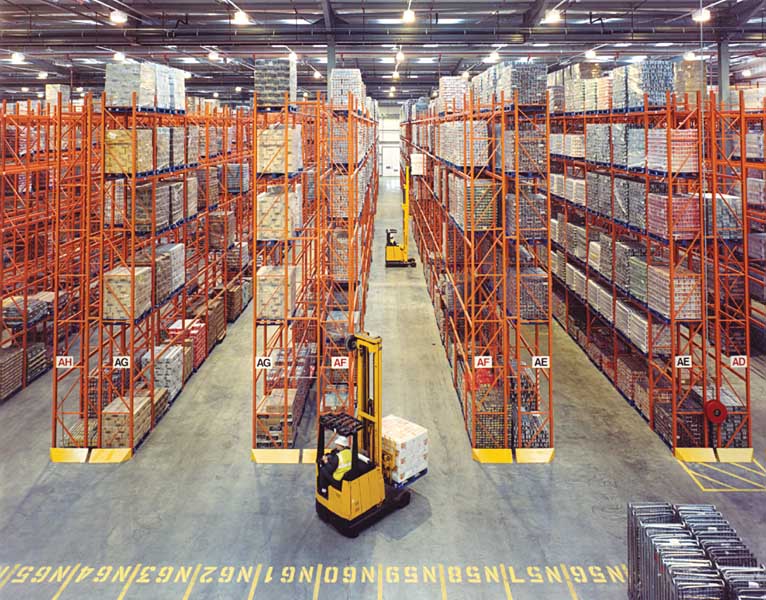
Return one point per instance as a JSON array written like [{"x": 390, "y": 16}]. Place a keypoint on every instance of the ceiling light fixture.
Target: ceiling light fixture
[
  {"x": 241, "y": 18},
  {"x": 689, "y": 56},
  {"x": 118, "y": 17},
  {"x": 392, "y": 88},
  {"x": 238, "y": 89},
  {"x": 408, "y": 16},
  {"x": 400, "y": 57},
  {"x": 78, "y": 89},
  {"x": 42, "y": 75},
  {"x": 591, "y": 54},
  {"x": 390, "y": 94},
  {"x": 17, "y": 58},
  {"x": 701, "y": 15},
  {"x": 187, "y": 75},
  {"x": 395, "y": 75},
  {"x": 82, "y": 94},
  {"x": 119, "y": 56},
  {"x": 293, "y": 56},
  {"x": 25, "y": 89},
  {"x": 317, "y": 75},
  {"x": 40, "y": 94},
  {"x": 215, "y": 94},
  {"x": 466, "y": 75},
  {"x": 213, "y": 55},
  {"x": 434, "y": 94},
  {"x": 747, "y": 73},
  {"x": 552, "y": 16},
  {"x": 494, "y": 56}
]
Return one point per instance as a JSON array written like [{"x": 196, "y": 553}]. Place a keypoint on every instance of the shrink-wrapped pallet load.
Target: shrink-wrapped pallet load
[
  {"x": 116, "y": 303},
  {"x": 453, "y": 91},
  {"x": 207, "y": 185},
  {"x": 405, "y": 449},
  {"x": 11, "y": 371},
  {"x": 119, "y": 151},
  {"x": 222, "y": 229},
  {"x": 123, "y": 79},
  {"x": 276, "y": 291},
  {"x": 345, "y": 82},
  {"x": 168, "y": 367},
  {"x": 278, "y": 151},
  {"x": 275, "y": 81}
]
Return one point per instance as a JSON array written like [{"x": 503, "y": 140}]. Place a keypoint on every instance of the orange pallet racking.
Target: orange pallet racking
[
  {"x": 648, "y": 265},
  {"x": 150, "y": 260},
  {"x": 481, "y": 223},
  {"x": 26, "y": 281},
  {"x": 286, "y": 285}
]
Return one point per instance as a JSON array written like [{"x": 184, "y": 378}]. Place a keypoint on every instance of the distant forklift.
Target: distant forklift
[
  {"x": 396, "y": 255},
  {"x": 361, "y": 496}
]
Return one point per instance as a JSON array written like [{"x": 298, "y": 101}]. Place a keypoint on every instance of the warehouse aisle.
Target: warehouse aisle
[{"x": 191, "y": 517}]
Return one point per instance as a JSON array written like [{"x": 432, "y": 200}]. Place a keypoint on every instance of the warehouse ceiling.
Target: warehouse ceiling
[{"x": 72, "y": 40}]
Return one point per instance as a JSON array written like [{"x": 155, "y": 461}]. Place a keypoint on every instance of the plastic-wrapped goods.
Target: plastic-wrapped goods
[
  {"x": 222, "y": 229},
  {"x": 623, "y": 251},
  {"x": 342, "y": 83},
  {"x": 116, "y": 302},
  {"x": 619, "y": 135},
  {"x": 756, "y": 246},
  {"x": 192, "y": 144},
  {"x": 603, "y": 93},
  {"x": 683, "y": 151},
  {"x": 728, "y": 216},
  {"x": 690, "y": 78},
  {"x": 575, "y": 190},
  {"x": 207, "y": 181},
  {"x": 755, "y": 141},
  {"x": 557, "y": 143},
  {"x": 115, "y": 421},
  {"x": 621, "y": 200},
  {"x": 475, "y": 200},
  {"x": 210, "y": 140},
  {"x": 11, "y": 371},
  {"x": 640, "y": 333},
  {"x": 556, "y": 98},
  {"x": 687, "y": 296},
  {"x": 637, "y": 204},
  {"x": 151, "y": 204},
  {"x": 574, "y": 95},
  {"x": 163, "y": 148},
  {"x": 177, "y": 90},
  {"x": 237, "y": 178},
  {"x": 531, "y": 214},
  {"x": 162, "y": 86},
  {"x": 528, "y": 79},
  {"x": 405, "y": 449},
  {"x": 275, "y": 80},
  {"x": 753, "y": 98},
  {"x": 597, "y": 148},
  {"x": 338, "y": 141},
  {"x": 168, "y": 367},
  {"x": 632, "y": 82},
  {"x": 590, "y": 95},
  {"x": 636, "y": 150},
  {"x": 594, "y": 255},
  {"x": 531, "y": 143},
  {"x": 125, "y": 78},
  {"x": 453, "y": 146},
  {"x": 574, "y": 145},
  {"x": 686, "y": 216},
  {"x": 277, "y": 220},
  {"x": 452, "y": 93},
  {"x": 277, "y": 155},
  {"x": 273, "y": 282},
  {"x": 192, "y": 194},
  {"x": 177, "y": 264},
  {"x": 176, "y": 191},
  {"x": 637, "y": 273},
  {"x": 177, "y": 147},
  {"x": 52, "y": 91},
  {"x": 532, "y": 285},
  {"x": 119, "y": 151}
]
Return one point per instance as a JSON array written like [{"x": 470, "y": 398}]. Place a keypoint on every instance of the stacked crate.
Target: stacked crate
[
  {"x": 176, "y": 254},
  {"x": 195, "y": 331},
  {"x": 119, "y": 152},
  {"x": 222, "y": 229},
  {"x": 207, "y": 185},
  {"x": 345, "y": 82},
  {"x": 116, "y": 301},
  {"x": 115, "y": 420},
  {"x": 532, "y": 287},
  {"x": 168, "y": 368},
  {"x": 162, "y": 148},
  {"x": 274, "y": 415},
  {"x": 192, "y": 196},
  {"x": 574, "y": 145},
  {"x": 275, "y": 80},
  {"x": 405, "y": 449},
  {"x": 684, "y": 148},
  {"x": 531, "y": 144},
  {"x": 176, "y": 201},
  {"x": 452, "y": 93},
  {"x": 11, "y": 371},
  {"x": 574, "y": 95},
  {"x": 276, "y": 290},
  {"x": 597, "y": 147},
  {"x": 454, "y": 147},
  {"x": 123, "y": 79},
  {"x": 37, "y": 361},
  {"x": 192, "y": 144},
  {"x": 237, "y": 178},
  {"x": 687, "y": 297},
  {"x": 473, "y": 202},
  {"x": 279, "y": 152},
  {"x": 685, "y": 215},
  {"x": 631, "y": 82},
  {"x": 532, "y": 214}
]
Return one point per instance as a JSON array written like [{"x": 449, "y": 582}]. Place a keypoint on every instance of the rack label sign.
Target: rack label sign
[
  {"x": 738, "y": 362},
  {"x": 683, "y": 361},
  {"x": 121, "y": 362},
  {"x": 64, "y": 362},
  {"x": 263, "y": 362},
  {"x": 541, "y": 362},
  {"x": 339, "y": 362},
  {"x": 482, "y": 362}
]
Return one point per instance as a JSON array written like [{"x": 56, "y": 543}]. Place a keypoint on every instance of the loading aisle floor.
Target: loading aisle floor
[{"x": 190, "y": 517}]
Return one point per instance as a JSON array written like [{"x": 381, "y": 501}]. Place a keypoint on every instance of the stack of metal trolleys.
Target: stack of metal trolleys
[{"x": 689, "y": 552}]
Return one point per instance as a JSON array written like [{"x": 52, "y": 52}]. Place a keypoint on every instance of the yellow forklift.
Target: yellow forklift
[
  {"x": 396, "y": 255},
  {"x": 362, "y": 497}
]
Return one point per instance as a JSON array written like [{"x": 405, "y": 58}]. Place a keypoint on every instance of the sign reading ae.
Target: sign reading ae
[
  {"x": 683, "y": 361},
  {"x": 541, "y": 362}
]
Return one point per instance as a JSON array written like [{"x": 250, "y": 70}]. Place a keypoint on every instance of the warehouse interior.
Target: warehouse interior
[{"x": 536, "y": 214}]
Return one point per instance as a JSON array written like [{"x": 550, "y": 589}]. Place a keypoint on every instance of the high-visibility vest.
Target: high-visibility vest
[{"x": 344, "y": 464}]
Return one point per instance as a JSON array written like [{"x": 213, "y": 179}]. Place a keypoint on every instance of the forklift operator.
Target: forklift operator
[{"x": 335, "y": 465}]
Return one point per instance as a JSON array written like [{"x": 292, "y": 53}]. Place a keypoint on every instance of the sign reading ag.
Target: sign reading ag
[
  {"x": 121, "y": 362},
  {"x": 262, "y": 362}
]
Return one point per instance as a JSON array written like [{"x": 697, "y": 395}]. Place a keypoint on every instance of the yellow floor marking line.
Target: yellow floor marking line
[
  {"x": 570, "y": 585},
  {"x": 129, "y": 582},
  {"x": 318, "y": 581},
  {"x": 67, "y": 581},
  {"x": 720, "y": 470},
  {"x": 506, "y": 585},
  {"x": 760, "y": 471},
  {"x": 254, "y": 585},
  {"x": 697, "y": 476},
  {"x": 380, "y": 581},
  {"x": 192, "y": 583},
  {"x": 442, "y": 582},
  {"x": 8, "y": 577}
]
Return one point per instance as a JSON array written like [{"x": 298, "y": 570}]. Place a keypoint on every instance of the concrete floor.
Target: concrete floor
[{"x": 191, "y": 517}]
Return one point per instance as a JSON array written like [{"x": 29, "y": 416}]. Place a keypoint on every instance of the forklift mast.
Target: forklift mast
[{"x": 369, "y": 391}]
